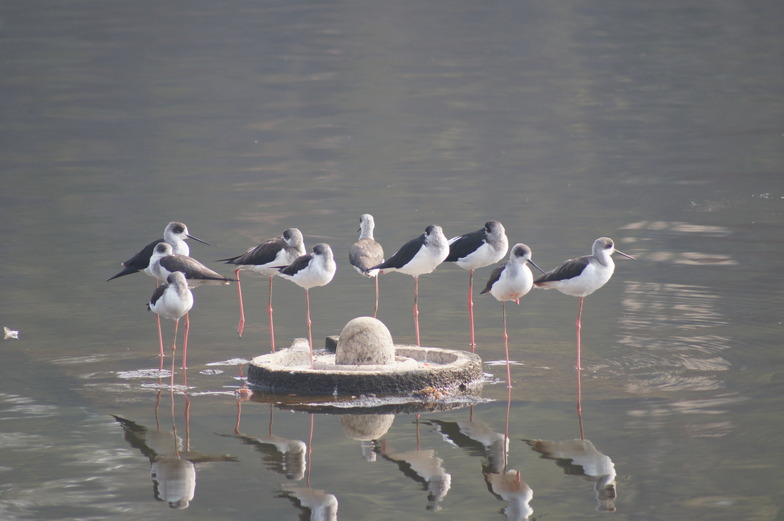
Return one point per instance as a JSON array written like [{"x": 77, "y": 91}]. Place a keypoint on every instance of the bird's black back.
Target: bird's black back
[
  {"x": 139, "y": 261},
  {"x": 466, "y": 244},
  {"x": 494, "y": 276},
  {"x": 300, "y": 263},
  {"x": 258, "y": 255},
  {"x": 568, "y": 270},
  {"x": 404, "y": 255}
]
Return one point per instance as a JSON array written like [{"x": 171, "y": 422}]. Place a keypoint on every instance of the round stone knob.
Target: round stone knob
[{"x": 365, "y": 341}]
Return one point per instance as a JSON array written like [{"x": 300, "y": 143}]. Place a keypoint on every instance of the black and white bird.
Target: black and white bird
[
  {"x": 175, "y": 234},
  {"x": 164, "y": 262},
  {"x": 582, "y": 276},
  {"x": 266, "y": 259},
  {"x": 511, "y": 281},
  {"x": 367, "y": 252},
  {"x": 418, "y": 257},
  {"x": 477, "y": 249},
  {"x": 308, "y": 271},
  {"x": 173, "y": 300}
]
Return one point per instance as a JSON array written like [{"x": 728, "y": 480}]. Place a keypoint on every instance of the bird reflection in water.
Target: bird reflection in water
[
  {"x": 172, "y": 462},
  {"x": 479, "y": 439},
  {"x": 281, "y": 455},
  {"x": 422, "y": 466},
  {"x": 322, "y": 505},
  {"x": 508, "y": 487},
  {"x": 292, "y": 458},
  {"x": 580, "y": 457}
]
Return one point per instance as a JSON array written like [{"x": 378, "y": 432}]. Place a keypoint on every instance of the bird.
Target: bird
[
  {"x": 511, "y": 281},
  {"x": 418, "y": 257},
  {"x": 308, "y": 271},
  {"x": 477, "y": 249},
  {"x": 164, "y": 262},
  {"x": 175, "y": 234},
  {"x": 266, "y": 259},
  {"x": 582, "y": 276},
  {"x": 173, "y": 300},
  {"x": 367, "y": 252}
]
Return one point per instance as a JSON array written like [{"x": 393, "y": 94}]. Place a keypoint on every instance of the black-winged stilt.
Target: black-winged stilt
[
  {"x": 582, "y": 276},
  {"x": 266, "y": 259},
  {"x": 164, "y": 262},
  {"x": 511, "y": 281},
  {"x": 367, "y": 252},
  {"x": 418, "y": 257},
  {"x": 175, "y": 234},
  {"x": 173, "y": 300},
  {"x": 309, "y": 271},
  {"x": 477, "y": 249}
]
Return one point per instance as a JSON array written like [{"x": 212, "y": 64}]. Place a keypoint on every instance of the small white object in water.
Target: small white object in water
[{"x": 10, "y": 333}]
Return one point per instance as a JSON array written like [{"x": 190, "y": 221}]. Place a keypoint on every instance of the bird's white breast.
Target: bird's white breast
[{"x": 593, "y": 277}]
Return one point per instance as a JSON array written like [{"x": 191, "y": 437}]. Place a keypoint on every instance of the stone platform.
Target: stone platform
[{"x": 431, "y": 371}]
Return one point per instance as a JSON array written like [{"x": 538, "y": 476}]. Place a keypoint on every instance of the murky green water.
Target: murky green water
[{"x": 657, "y": 124}]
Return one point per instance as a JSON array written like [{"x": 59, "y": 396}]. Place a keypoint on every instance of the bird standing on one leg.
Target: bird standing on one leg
[
  {"x": 417, "y": 257},
  {"x": 266, "y": 259},
  {"x": 173, "y": 300},
  {"x": 308, "y": 271},
  {"x": 582, "y": 276},
  {"x": 477, "y": 249},
  {"x": 367, "y": 252},
  {"x": 511, "y": 281}
]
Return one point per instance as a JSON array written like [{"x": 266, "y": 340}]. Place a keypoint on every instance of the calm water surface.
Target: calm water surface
[{"x": 658, "y": 124}]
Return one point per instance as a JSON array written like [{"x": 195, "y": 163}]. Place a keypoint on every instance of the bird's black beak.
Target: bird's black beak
[
  {"x": 537, "y": 267},
  {"x": 619, "y": 252},
  {"x": 201, "y": 241}
]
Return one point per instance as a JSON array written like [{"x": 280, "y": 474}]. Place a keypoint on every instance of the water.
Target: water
[{"x": 658, "y": 124}]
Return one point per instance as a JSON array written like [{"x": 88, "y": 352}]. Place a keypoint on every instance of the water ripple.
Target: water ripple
[{"x": 671, "y": 335}]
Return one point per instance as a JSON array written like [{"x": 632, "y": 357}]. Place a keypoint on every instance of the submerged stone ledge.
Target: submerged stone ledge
[{"x": 415, "y": 370}]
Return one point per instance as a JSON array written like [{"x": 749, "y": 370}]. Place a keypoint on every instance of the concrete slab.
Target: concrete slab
[{"x": 428, "y": 370}]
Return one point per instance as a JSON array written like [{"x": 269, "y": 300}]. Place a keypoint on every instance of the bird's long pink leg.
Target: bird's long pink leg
[
  {"x": 310, "y": 333},
  {"x": 241, "y": 325},
  {"x": 471, "y": 307},
  {"x": 173, "y": 357},
  {"x": 158, "y": 318},
  {"x": 160, "y": 335},
  {"x": 185, "y": 341},
  {"x": 416, "y": 309},
  {"x": 506, "y": 349},
  {"x": 375, "y": 307},
  {"x": 269, "y": 312},
  {"x": 579, "y": 327},
  {"x": 579, "y": 369},
  {"x": 174, "y": 344}
]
